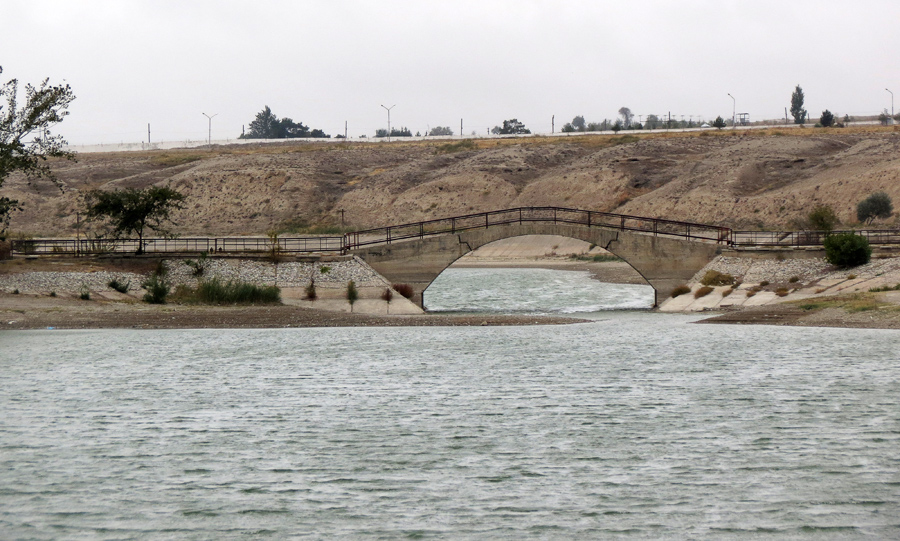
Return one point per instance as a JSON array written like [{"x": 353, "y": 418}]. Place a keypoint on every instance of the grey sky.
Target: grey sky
[{"x": 323, "y": 62}]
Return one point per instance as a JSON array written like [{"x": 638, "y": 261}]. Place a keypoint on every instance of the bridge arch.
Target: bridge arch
[{"x": 664, "y": 262}]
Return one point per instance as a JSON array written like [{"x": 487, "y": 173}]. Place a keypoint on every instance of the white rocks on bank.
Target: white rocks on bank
[{"x": 328, "y": 275}]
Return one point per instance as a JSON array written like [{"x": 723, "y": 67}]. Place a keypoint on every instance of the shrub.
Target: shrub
[
  {"x": 716, "y": 278},
  {"x": 764, "y": 283},
  {"x": 352, "y": 293},
  {"x": 15, "y": 291},
  {"x": 822, "y": 218},
  {"x": 387, "y": 295},
  {"x": 324, "y": 269},
  {"x": 727, "y": 292},
  {"x": 781, "y": 291},
  {"x": 311, "y": 294},
  {"x": 877, "y": 205},
  {"x": 215, "y": 291},
  {"x": 851, "y": 277},
  {"x": 680, "y": 290},
  {"x": 198, "y": 268},
  {"x": 84, "y": 293},
  {"x": 465, "y": 144},
  {"x": 794, "y": 279},
  {"x": 702, "y": 292},
  {"x": 157, "y": 289},
  {"x": 847, "y": 250},
  {"x": 53, "y": 293},
  {"x": 404, "y": 289},
  {"x": 873, "y": 290},
  {"x": 119, "y": 286}
]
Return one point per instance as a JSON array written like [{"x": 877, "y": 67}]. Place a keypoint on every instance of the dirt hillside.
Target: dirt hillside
[{"x": 749, "y": 180}]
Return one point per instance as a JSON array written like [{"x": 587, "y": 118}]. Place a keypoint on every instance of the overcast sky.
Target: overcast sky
[{"x": 324, "y": 62}]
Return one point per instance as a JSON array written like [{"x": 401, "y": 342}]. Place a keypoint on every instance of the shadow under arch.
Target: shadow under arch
[{"x": 664, "y": 262}]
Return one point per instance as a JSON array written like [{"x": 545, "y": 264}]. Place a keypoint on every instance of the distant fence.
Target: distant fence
[
  {"x": 178, "y": 245},
  {"x": 799, "y": 239}
]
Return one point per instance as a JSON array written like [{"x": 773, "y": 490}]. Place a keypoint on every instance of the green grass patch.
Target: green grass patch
[
  {"x": 885, "y": 288},
  {"x": 458, "y": 146},
  {"x": 597, "y": 258},
  {"x": 216, "y": 291},
  {"x": 172, "y": 160},
  {"x": 716, "y": 278}
]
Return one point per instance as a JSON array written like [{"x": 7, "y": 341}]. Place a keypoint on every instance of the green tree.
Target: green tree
[
  {"x": 627, "y": 117},
  {"x": 877, "y": 205},
  {"x": 45, "y": 106},
  {"x": 827, "y": 119},
  {"x": 719, "y": 122},
  {"x": 847, "y": 250},
  {"x": 510, "y": 127},
  {"x": 797, "y": 110},
  {"x": 822, "y": 218},
  {"x": 130, "y": 211},
  {"x": 617, "y": 126},
  {"x": 568, "y": 128},
  {"x": 267, "y": 125},
  {"x": 578, "y": 123},
  {"x": 440, "y": 130}
]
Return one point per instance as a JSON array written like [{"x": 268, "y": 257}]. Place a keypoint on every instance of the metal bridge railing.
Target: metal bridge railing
[
  {"x": 165, "y": 246},
  {"x": 655, "y": 226},
  {"x": 798, "y": 239}
]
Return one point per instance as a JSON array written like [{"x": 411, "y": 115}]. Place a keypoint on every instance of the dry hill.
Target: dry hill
[{"x": 759, "y": 179}]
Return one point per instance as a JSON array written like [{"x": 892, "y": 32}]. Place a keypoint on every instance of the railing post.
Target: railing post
[
  {"x": 453, "y": 225},
  {"x": 622, "y": 227},
  {"x": 589, "y": 218},
  {"x": 421, "y": 230},
  {"x": 486, "y": 220},
  {"x": 520, "y": 215}
]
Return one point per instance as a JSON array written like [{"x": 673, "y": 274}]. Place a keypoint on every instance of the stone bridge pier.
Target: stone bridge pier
[{"x": 665, "y": 262}]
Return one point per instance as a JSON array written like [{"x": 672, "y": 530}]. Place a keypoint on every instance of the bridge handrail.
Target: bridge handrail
[
  {"x": 177, "y": 245},
  {"x": 809, "y": 238},
  {"x": 590, "y": 218}
]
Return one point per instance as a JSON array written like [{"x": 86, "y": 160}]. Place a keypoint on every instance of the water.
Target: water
[
  {"x": 542, "y": 291},
  {"x": 637, "y": 425}
]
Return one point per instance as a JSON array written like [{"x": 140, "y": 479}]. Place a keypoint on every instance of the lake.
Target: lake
[{"x": 634, "y": 425}]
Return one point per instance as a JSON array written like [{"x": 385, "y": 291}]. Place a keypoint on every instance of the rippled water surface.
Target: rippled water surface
[
  {"x": 531, "y": 290},
  {"x": 637, "y": 425}
]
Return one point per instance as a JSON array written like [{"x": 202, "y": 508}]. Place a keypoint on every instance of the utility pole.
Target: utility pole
[
  {"x": 148, "y": 134},
  {"x": 209, "y": 136},
  {"x": 460, "y": 128},
  {"x": 552, "y": 124},
  {"x": 389, "y": 120},
  {"x": 345, "y": 130},
  {"x": 734, "y": 108},
  {"x": 892, "y": 106}
]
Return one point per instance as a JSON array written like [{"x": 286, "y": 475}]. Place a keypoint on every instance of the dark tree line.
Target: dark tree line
[{"x": 268, "y": 126}]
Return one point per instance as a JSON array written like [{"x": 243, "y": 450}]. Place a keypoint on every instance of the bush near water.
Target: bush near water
[{"x": 847, "y": 250}]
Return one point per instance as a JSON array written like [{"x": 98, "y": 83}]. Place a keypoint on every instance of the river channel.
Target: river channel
[{"x": 636, "y": 425}]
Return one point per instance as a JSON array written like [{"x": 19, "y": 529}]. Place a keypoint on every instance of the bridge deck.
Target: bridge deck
[{"x": 385, "y": 235}]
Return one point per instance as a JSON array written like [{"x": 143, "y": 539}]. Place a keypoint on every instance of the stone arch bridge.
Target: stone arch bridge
[{"x": 666, "y": 253}]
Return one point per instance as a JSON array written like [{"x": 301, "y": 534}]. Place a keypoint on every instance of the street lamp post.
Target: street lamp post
[
  {"x": 389, "y": 120},
  {"x": 734, "y": 109},
  {"x": 892, "y": 105},
  {"x": 209, "y": 134}
]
